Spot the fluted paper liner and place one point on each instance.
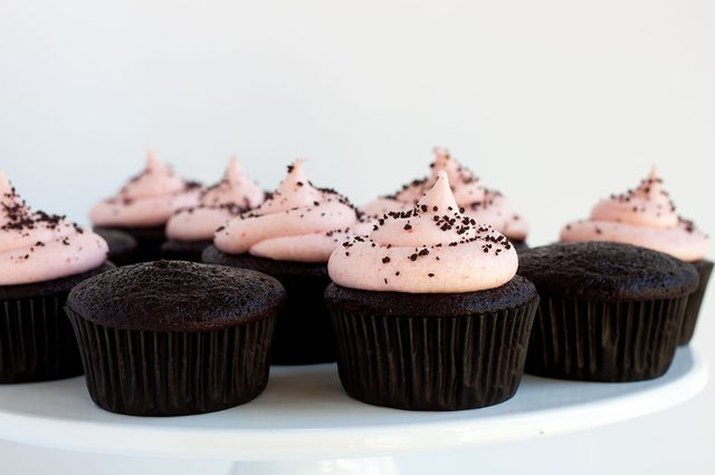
(304, 332)
(36, 340)
(432, 363)
(704, 268)
(604, 341)
(152, 373)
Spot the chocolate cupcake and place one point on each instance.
(428, 312)
(122, 247)
(170, 338)
(608, 312)
(290, 237)
(42, 257)
(191, 229)
(647, 217)
(485, 205)
(144, 205)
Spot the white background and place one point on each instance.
(556, 103)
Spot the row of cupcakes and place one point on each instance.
(153, 208)
(423, 272)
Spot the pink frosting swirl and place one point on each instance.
(298, 223)
(37, 247)
(432, 248)
(233, 195)
(485, 205)
(643, 217)
(148, 199)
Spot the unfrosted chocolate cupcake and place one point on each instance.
(144, 205)
(290, 236)
(171, 337)
(608, 312)
(43, 257)
(191, 229)
(485, 205)
(646, 216)
(428, 312)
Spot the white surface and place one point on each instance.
(557, 103)
(305, 414)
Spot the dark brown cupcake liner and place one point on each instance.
(604, 341)
(695, 301)
(154, 373)
(36, 340)
(304, 331)
(432, 363)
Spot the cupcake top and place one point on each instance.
(236, 193)
(176, 296)
(606, 271)
(487, 206)
(432, 248)
(646, 217)
(148, 199)
(38, 247)
(297, 223)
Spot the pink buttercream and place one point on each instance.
(233, 195)
(149, 199)
(643, 217)
(37, 247)
(295, 224)
(433, 248)
(485, 205)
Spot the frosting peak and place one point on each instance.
(148, 199)
(645, 216)
(294, 191)
(233, 195)
(157, 178)
(439, 196)
(235, 189)
(649, 204)
(297, 223)
(37, 246)
(486, 205)
(432, 248)
(233, 173)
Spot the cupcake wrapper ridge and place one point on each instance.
(695, 301)
(36, 340)
(152, 373)
(432, 363)
(604, 341)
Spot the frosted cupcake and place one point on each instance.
(290, 237)
(485, 205)
(42, 256)
(647, 217)
(142, 207)
(191, 229)
(428, 311)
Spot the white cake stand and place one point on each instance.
(304, 423)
